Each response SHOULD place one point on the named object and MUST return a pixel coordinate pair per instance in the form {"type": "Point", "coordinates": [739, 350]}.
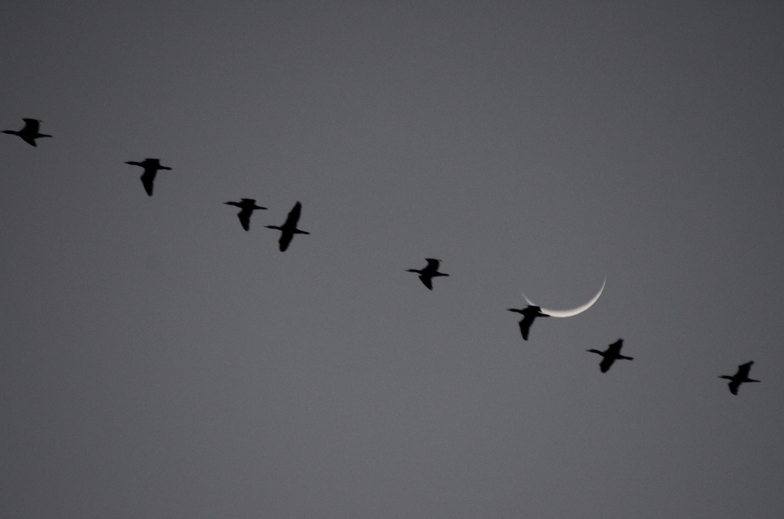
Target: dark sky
{"type": "Point", "coordinates": [157, 361]}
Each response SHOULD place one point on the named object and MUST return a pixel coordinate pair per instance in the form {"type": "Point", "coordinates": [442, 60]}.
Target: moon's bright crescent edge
{"type": "Point", "coordinates": [573, 311]}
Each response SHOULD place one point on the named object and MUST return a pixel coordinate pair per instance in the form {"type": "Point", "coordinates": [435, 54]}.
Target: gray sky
{"type": "Point", "coordinates": [160, 362]}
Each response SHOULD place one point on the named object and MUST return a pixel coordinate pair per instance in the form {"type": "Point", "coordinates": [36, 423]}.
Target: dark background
{"type": "Point", "coordinates": [157, 361]}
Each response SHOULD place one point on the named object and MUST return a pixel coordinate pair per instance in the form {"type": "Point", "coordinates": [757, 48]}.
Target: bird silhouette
{"type": "Point", "coordinates": [289, 227]}
{"type": "Point", "coordinates": [151, 167]}
{"type": "Point", "coordinates": [530, 313]}
{"type": "Point", "coordinates": [247, 206]}
{"type": "Point", "coordinates": [430, 271]}
{"type": "Point", "coordinates": [741, 376]}
{"type": "Point", "coordinates": [611, 354]}
{"type": "Point", "coordinates": [30, 131]}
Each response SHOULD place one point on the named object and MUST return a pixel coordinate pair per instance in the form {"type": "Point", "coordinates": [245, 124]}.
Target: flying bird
{"type": "Point", "coordinates": [151, 167]}
{"type": "Point", "coordinates": [247, 206]}
{"type": "Point", "coordinates": [741, 376]}
{"type": "Point", "coordinates": [289, 227]}
{"type": "Point", "coordinates": [30, 131]}
{"type": "Point", "coordinates": [530, 313]}
{"type": "Point", "coordinates": [611, 354]}
{"type": "Point", "coordinates": [427, 274]}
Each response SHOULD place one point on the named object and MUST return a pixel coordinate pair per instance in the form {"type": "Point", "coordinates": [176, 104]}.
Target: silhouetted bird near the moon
{"type": "Point", "coordinates": [572, 312]}
{"type": "Point", "coordinates": [289, 227]}
{"type": "Point", "coordinates": [530, 313]}
{"type": "Point", "coordinates": [247, 206]}
{"type": "Point", "coordinates": [151, 167]}
{"type": "Point", "coordinates": [611, 354]}
{"type": "Point", "coordinates": [741, 376]}
{"type": "Point", "coordinates": [429, 272]}
{"type": "Point", "coordinates": [30, 131]}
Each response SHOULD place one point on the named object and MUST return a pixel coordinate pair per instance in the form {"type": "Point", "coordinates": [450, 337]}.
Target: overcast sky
{"type": "Point", "coordinates": [158, 361]}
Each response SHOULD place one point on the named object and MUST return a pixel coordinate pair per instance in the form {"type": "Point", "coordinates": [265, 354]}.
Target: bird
{"type": "Point", "coordinates": [741, 376]}
{"type": "Point", "coordinates": [151, 167]}
{"type": "Point", "coordinates": [529, 313]}
{"type": "Point", "coordinates": [289, 227]}
{"type": "Point", "coordinates": [247, 206]}
{"type": "Point", "coordinates": [611, 354]}
{"type": "Point", "coordinates": [30, 131]}
{"type": "Point", "coordinates": [430, 271]}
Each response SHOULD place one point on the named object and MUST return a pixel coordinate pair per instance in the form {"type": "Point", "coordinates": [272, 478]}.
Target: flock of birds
{"type": "Point", "coordinates": [31, 131]}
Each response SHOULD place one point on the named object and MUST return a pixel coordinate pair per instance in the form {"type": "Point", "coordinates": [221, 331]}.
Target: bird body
{"type": "Point", "coordinates": [611, 354]}
{"type": "Point", "coordinates": [30, 131]}
{"type": "Point", "coordinates": [151, 167]}
{"type": "Point", "coordinates": [289, 227]}
{"type": "Point", "coordinates": [247, 206]}
{"type": "Point", "coordinates": [529, 313]}
{"type": "Point", "coordinates": [740, 376]}
{"type": "Point", "coordinates": [429, 272]}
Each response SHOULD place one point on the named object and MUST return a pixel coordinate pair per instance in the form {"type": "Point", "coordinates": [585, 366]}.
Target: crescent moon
{"type": "Point", "coordinates": [573, 311]}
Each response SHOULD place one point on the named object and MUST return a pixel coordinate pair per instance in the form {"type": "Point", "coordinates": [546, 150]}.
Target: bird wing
{"type": "Point", "coordinates": [743, 370]}
{"type": "Point", "coordinates": [427, 281]}
{"type": "Point", "coordinates": [31, 125]}
{"type": "Point", "coordinates": [615, 348]}
{"type": "Point", "coordinates": [525, 325]}
{"type": "Point", "coordinates": [431, 269]}
{"type": "Point", "coordinates": [607, 361]}
{"type": "Point", "coordinates": [293, 217]}
{"type": "Point", "coordinates": [147, 179]}
{"type": "Point", "coordinates": [285, 239]}
{"type": "Point", "coordinates": [734, 385]}
{"type": "Point", "coordinates": [244, 217]}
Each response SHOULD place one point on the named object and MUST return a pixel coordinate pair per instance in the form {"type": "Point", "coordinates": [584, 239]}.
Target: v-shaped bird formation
{"type": "Point", "coordinates": [30, 132]}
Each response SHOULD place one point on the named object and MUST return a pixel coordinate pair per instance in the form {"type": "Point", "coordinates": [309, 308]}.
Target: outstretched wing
{"type": "Point", "coordinates": [432, 264]}
{"type": "Point", "coordinates": [147, 179]}
{"type": "Point", "coordinates": [734, 385]}
{"type": "Point", "coordinates": [285, 240]}
{"type": "Point", "coordinates": [615, 348]}
{"type": "Point", "coordinates": [525, 325]}
{"type": "Point", "coordinates": [244, 217]}
{"type": "Point", "coordinates": [427, 281]}
{"type": "Point", "coordinates": [744, 369]}
{"type": "Point", "coordinates": [293, 217]}
{"type": "Point", "coordinates": [607, 361]}
{"type": "Point", "coordinates": [31, 125]}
